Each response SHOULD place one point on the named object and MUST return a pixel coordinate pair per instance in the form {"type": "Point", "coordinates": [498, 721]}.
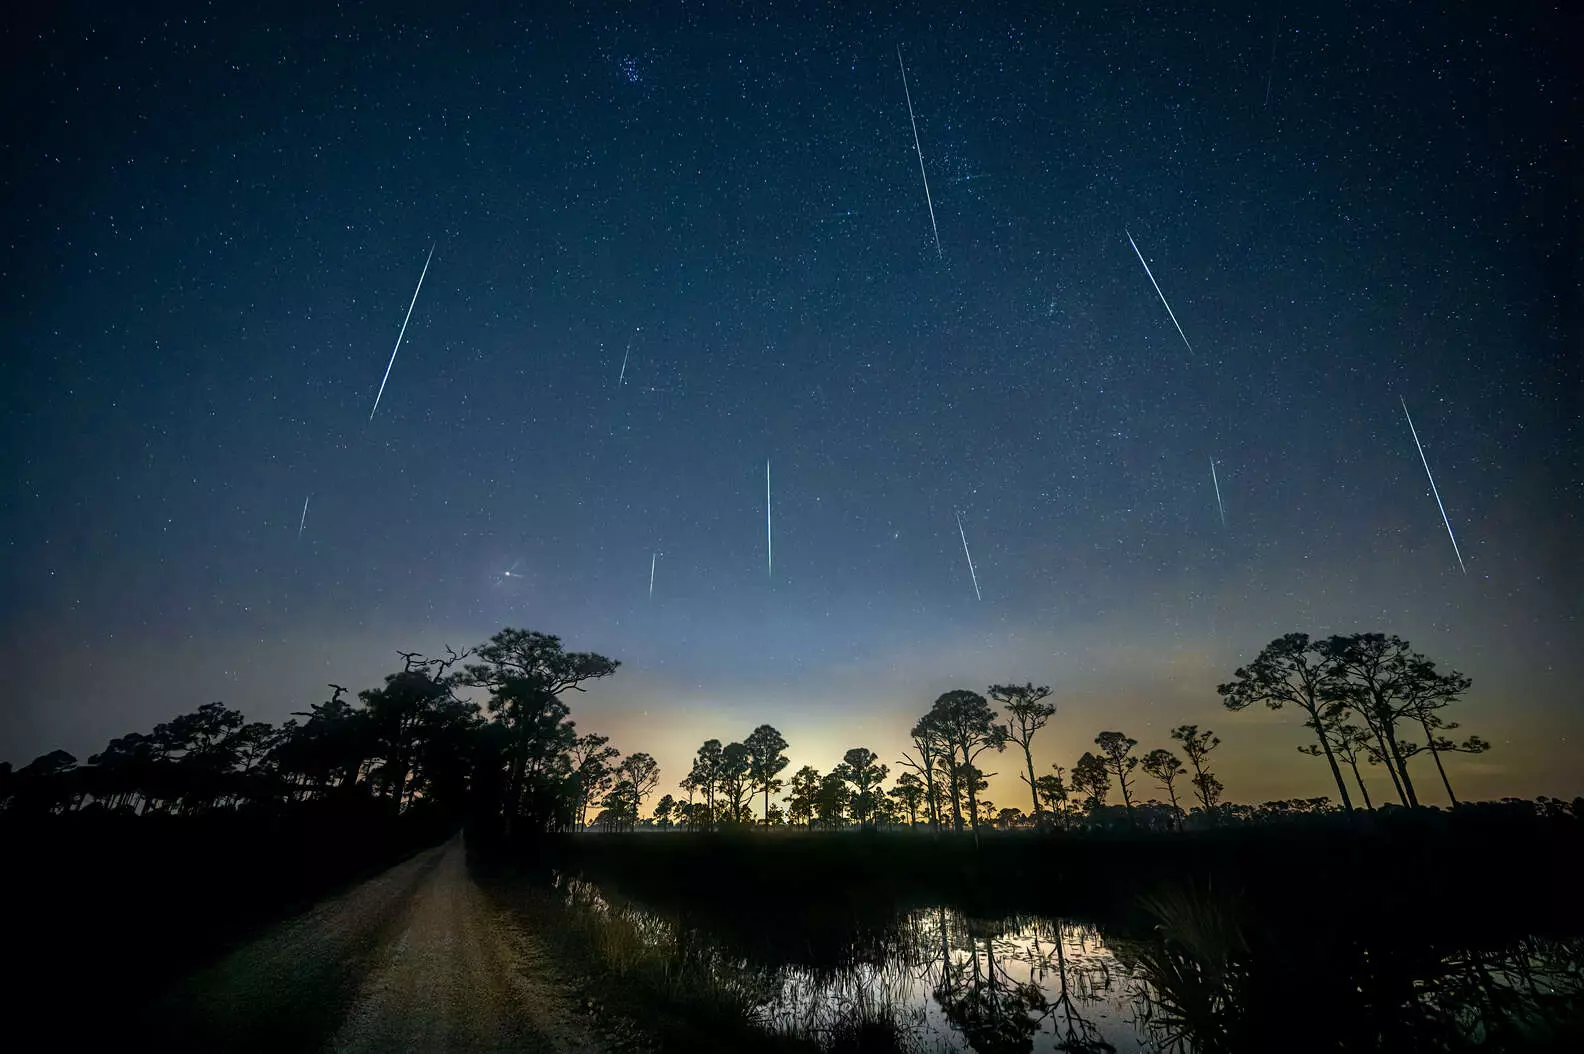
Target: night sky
{"type": "Point", "coordinates": [214, 227]}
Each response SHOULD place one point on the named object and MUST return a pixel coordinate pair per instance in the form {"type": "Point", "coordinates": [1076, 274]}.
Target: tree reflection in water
{"type": "Point", "coordinates": [1210, 983]}
{"type": "Point", "coordinates": [1204, 979]}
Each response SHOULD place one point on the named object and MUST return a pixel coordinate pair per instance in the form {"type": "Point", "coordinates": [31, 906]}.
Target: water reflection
{"type": "Point", "coordinates": [965, 984]}
{"type": "Point", "coordinates": [938, 980]}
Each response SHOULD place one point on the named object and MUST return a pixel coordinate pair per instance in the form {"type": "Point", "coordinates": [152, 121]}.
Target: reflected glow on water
{"type": "Point", "coordinates": [958, 984]}
{"type": "Point", "coordinates": [937, 980]}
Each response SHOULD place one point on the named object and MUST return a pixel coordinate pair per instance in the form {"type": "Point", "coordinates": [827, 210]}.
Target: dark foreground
{"type": "Point", "coordinates": [414, 959]}
{"type": "Point", "coordinates": [1427, 933]}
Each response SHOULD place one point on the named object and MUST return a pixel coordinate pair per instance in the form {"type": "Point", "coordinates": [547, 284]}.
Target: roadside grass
{"type": "Point", "coordinates": [651, 983]}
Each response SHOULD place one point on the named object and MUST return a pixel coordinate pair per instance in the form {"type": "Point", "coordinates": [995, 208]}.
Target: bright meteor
{"type": "Point", "coordinates": [403, 333]}
{"type": "Point", "coordinates": [972, 573]}
{"type": "Point", "coordinates": [1433, 489]}
{"type": "Point", "coordinates": [920, 151]}
{"type": "Point", "coordinates": [1217, 483]}
{"type": "Point", "coordinates": [1158, 292]}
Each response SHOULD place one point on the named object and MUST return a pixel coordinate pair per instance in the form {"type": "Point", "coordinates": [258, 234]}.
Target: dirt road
{"type": "Point", "coordinates": [415, 959]}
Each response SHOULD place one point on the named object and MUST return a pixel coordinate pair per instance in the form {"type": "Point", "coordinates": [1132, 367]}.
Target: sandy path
{"type": "Point", "coordinates": [459, 977]}
{"type": "Point", "coordinates": [414, 959]}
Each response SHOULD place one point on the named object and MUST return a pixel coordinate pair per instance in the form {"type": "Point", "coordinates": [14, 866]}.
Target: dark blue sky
{"type": "Point", "coordinates": [215, 225]}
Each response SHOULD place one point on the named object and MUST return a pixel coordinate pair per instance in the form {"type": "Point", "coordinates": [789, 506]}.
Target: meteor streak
{"type": "Point", "coordinates": [652, 558]}
{"type": "Point", "coordinates": [972, 573]}
{"type": "Point", "coordinates": [403, 333]}
{"type": "Point", "coordinates": [769, 551]}
{"type": "Point", "coordinates": [1217, 483]}
{"type": "Point", "coordinates": [304, 521]}
{"type": "Point", "coordinates": [920, 151]}
{"type": "Point", "coordinates": [1158, 292]}
{"type": "Point", "coordinates": [622, 379]}
{"type": "Point", "coordinates": [1433, 489]}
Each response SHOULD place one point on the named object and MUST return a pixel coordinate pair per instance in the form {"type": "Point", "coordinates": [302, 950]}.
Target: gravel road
{"type": "Point", "coordinates": [415, 959]}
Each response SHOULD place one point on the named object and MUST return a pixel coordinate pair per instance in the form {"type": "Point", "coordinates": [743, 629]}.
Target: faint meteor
{"type": "Point", "coordinates": [972, 573]}
{"type": "Point", "coordinates": [403, 332]}
{"type": "Point", "coordinates": [652, 558]}
{"type": "Point", "coordinates": [1158, 292]}
{"type": "Point", "coordinates": [919, 150]}
{"type": "Point", "coordinates": [622, 377]}
{"type": "Point", "coordinates": [304, 521]}
{"type": "Point", "coordinates": [1433, 489]}
{"type": "Point", "coordinates": [769, 550]}
{"type": "Point", "coordinates": [1217, 483]}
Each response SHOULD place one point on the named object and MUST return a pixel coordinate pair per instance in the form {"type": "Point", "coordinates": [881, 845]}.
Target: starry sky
{"type": "Point", "coordinates": [215, 225]}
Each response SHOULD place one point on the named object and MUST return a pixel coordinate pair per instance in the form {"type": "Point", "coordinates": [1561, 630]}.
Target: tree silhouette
{"type": "Point", "coordinates": [803, 795]}
{"type": "Point", "coordinates": [1052, 790]}
{"type": "Point", "coordinates": [766, 758]}
{"type": "Point", "coordinates": [526, 673]}
{"type": "Point", "coordinates": [734, 785]}
{"type": "Point", "coordinates": [1165, 767]}
{"type": "Point", "coordinates": [861, 768]}
{"type": "Point", "coordinates": [706, 774]}
{"type": "Point", "coordinates": [642, 774]}
{"type": "Point", "coordinates": [1116, 752]}
{"type": "Point", "coordinates": [832, 799]}
{"type": "Point", "coordinates": [1350, 743]}
{"type": "Point", "coordinates": [593, 770]}
{"type": "Point", "coordinates": [1427, 693]}
{"type": "Point", "coordinates": [967, 728]}
{"type": "Point", "coordinates": [1027, 713]}
{"type": "Point", "coordinates": [1373, 673]}
{"type": "Point", "coordinates": [1291, 670]}
{"type": "Point", "coordinates": [928, 746]}
{"type": "Point", "coordinates": [1091, 778]}
{"type": "Point", "coordinates": [1197, 746]}
{"type": "Point", "coordinates": [664, 808]}
{"type": "Point", "coordinates": [909, 793]}
{"type": "Point", "coordinates": [45, 784]}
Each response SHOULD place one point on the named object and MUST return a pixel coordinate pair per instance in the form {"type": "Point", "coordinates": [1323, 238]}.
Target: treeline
{"type": "Point", "coordinates": [1364, 696]}
{"type": "Point", "coordinates": [517, 760]}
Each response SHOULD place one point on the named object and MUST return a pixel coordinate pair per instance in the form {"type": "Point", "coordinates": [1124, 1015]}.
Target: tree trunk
{"type": "Point", "coordinates": [1033, 792]}
{"type": "Point", "coordinates": [1127, 799]}
{"type": "Point", "coordinates": [1360, 781]}
{"type": "Point", "coordinates": [1436, 754]}
{"type": "Point", "coordinates": [1336, 773]}
{"type": "Point", "coordinates": [973, 813]}
{"type": "Point", "coordinates": [1402, 767]}
{"type": "Point", "coordinates": [1176, 809]}
{"type": "Point", "coordinates": [956, 793]}
{"type": "Point", "coordinates": [1386, 756]}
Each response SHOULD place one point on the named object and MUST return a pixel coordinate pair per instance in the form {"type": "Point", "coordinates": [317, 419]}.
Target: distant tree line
{"type": "Point", "coordinates": [517, 758]}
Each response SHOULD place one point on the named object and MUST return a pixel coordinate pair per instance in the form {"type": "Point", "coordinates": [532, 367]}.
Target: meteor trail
{"type": "Point", "coordinates": [1433, 489]}
{"type": "Point", "coordinates": [920, 151]}
{"type": "Point", "coordinates": [403, 333]}
{"type": "Point", "coordinates": [652, 558]}
{"type": "Point", "coordinates": [1217, 483]}
{"type": "Point", "coordinates": [304, 521]}
{"type": "Point", "coordinates": [974, 574]}
{"type": "Point", "coordinates": [622, 379]}
{"type": "Point", "coordinates": [1158, 292]}
{"type": "Point", "coordinates": [769, 551]}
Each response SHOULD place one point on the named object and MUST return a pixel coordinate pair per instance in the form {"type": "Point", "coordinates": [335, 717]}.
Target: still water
{"type": "Point", "coordinates": [959, 984]}
{"type": "Point", "coordinates": [938, 980]}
